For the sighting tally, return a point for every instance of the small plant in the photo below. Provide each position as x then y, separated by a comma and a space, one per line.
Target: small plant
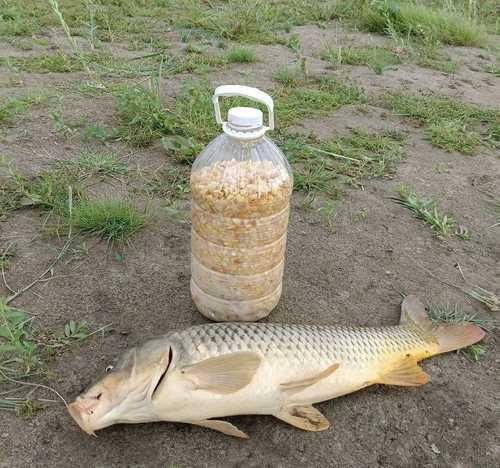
489, 299
93, 163
46, 63
453, 315
115, 221
12, 106
75, 331
94, 132
476, 352
453, 135
7, 253
18, 347
421, 21
378, 58
443, 225
290, 77
142, 115
171, 184
241, 55
448, 123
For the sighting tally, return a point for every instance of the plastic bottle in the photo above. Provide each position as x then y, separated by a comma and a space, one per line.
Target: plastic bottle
241, 185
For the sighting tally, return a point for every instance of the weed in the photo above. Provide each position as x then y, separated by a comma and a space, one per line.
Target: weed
289, 77
46, 63
170, 183
378, 58
61, 126
94, 132
321, 96
328, 166
453, 315
241, 55
443, 225
75, 331
7, 253
360, 215
453, 135
476, 352
413, 19
449, 124
113, 220
142, 116
489, 299
12, 106
92, 163
19, 355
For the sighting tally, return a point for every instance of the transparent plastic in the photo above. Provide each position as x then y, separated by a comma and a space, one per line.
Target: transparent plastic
240, 207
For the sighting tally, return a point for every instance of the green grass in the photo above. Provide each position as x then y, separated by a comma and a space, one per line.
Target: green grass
377, 58
12, 106
19, 351
45, 63
289, 77
424, 22
327, 167
443, 225
142, 116
453, 135
94, 163
448, 123
7, 253
241, 55
170, 184
320, 96
113, 220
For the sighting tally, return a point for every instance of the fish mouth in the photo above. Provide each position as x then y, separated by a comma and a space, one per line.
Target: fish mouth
76, 413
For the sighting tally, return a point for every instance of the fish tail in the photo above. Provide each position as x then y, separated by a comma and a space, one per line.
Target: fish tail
446, 337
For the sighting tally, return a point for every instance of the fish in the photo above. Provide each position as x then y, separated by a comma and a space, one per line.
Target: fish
211, 371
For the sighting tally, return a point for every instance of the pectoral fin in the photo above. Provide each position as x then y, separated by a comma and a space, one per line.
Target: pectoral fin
306, 418
300, 384
406, 373
224, 374
221, 426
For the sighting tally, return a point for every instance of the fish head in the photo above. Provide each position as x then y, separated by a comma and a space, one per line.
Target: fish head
123, 394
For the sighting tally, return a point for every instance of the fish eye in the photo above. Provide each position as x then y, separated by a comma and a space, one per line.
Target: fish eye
109, 368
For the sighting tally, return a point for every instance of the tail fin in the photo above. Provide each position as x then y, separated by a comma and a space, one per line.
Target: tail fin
452, 337
448, 337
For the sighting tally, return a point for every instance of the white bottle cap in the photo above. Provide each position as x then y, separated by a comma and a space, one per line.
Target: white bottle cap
246, 117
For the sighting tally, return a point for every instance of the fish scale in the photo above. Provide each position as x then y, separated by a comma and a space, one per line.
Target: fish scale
298, 343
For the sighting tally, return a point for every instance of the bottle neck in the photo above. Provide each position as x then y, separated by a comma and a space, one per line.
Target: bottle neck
244, 133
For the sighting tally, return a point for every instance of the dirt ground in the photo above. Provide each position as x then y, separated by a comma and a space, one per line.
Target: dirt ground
352, 272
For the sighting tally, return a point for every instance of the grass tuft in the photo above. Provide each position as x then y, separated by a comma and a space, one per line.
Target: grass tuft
443, 225
115, 221
241, 55
142, 116
422, 21
326, 167
448, 123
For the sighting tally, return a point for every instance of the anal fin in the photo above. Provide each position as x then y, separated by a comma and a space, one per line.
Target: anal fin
406, 373
300, 384
306, 418
221, 426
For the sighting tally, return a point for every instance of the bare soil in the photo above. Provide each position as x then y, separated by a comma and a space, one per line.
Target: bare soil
349, 273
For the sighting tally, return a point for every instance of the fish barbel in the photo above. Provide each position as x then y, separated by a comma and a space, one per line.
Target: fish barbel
225, 369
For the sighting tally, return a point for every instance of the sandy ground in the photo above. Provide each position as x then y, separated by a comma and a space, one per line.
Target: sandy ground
351, 273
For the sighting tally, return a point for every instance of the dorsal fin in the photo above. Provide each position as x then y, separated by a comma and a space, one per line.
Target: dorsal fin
414, 315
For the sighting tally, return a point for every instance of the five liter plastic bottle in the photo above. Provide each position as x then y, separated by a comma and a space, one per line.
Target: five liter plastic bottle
241, 186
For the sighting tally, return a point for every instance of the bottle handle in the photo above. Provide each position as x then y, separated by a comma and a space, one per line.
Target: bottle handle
243, 91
